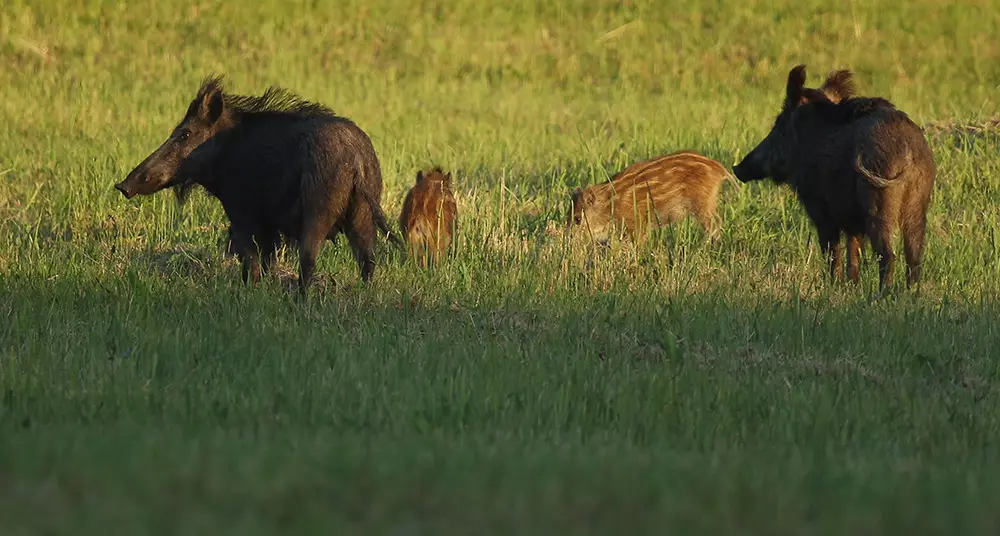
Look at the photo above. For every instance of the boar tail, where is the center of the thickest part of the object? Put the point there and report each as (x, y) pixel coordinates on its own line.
(732, 180)
(381, 222)
(873, 178)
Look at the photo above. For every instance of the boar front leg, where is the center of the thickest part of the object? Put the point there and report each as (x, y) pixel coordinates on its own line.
(246, 251)
(829, 241)
(267, 243)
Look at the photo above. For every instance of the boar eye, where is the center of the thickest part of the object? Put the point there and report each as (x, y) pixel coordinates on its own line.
(183, 136)
(576, 220)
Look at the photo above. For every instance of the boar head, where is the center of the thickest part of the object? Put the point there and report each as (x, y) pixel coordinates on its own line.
(770, 158)
(162, 169)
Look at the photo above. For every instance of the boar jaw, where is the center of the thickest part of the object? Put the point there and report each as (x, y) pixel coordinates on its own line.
(147, 178)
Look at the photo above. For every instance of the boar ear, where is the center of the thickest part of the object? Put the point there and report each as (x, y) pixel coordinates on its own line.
(793, 90)
(447, 178)
(211, 105)
(839, 85)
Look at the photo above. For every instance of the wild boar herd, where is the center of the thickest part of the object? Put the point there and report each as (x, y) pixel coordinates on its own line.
(290, 170)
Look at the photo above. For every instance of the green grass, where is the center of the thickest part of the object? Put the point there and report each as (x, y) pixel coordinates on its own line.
(520, 388)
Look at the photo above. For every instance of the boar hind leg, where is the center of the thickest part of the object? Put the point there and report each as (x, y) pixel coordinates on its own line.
(881, 237)
(361, 236)
(309, 244)
(913, 246)
(854, 257)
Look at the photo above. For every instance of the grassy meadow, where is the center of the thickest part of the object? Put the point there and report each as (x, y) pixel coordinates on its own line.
(527, 385)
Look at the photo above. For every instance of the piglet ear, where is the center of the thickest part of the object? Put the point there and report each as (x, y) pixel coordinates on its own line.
(447, 178)
(839, 85)
(589, 196)
(793, 90)
(420, 175)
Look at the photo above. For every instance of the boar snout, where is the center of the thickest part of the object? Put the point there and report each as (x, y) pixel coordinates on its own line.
(751, 168)
(150, 176)
(746, 171)
(133, 182)
(124, 189)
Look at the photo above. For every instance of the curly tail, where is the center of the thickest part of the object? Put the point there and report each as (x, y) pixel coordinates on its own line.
(732, 179)
(873, 178)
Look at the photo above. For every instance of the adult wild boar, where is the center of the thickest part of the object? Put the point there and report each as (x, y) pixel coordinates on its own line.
(281, 167)
(859, 166)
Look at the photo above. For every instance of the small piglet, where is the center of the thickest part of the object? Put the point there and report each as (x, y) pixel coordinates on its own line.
(651, 194)
(430, 216)
(859, 166)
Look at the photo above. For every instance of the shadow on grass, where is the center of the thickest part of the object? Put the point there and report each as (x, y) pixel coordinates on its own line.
(192, 405)
(941, 349)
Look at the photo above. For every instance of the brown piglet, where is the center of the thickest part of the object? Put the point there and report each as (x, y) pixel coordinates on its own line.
(651, 194)
(429, 217)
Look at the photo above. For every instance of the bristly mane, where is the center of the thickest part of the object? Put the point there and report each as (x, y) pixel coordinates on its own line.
(852, 108)
(859, 106)
(274, 100)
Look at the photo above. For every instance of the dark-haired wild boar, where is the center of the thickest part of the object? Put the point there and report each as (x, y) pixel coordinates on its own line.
(648, 195)
(859, 166)
(429, 217)
(281, 167)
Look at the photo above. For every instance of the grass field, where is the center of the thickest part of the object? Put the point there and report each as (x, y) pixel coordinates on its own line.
(685, 388)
